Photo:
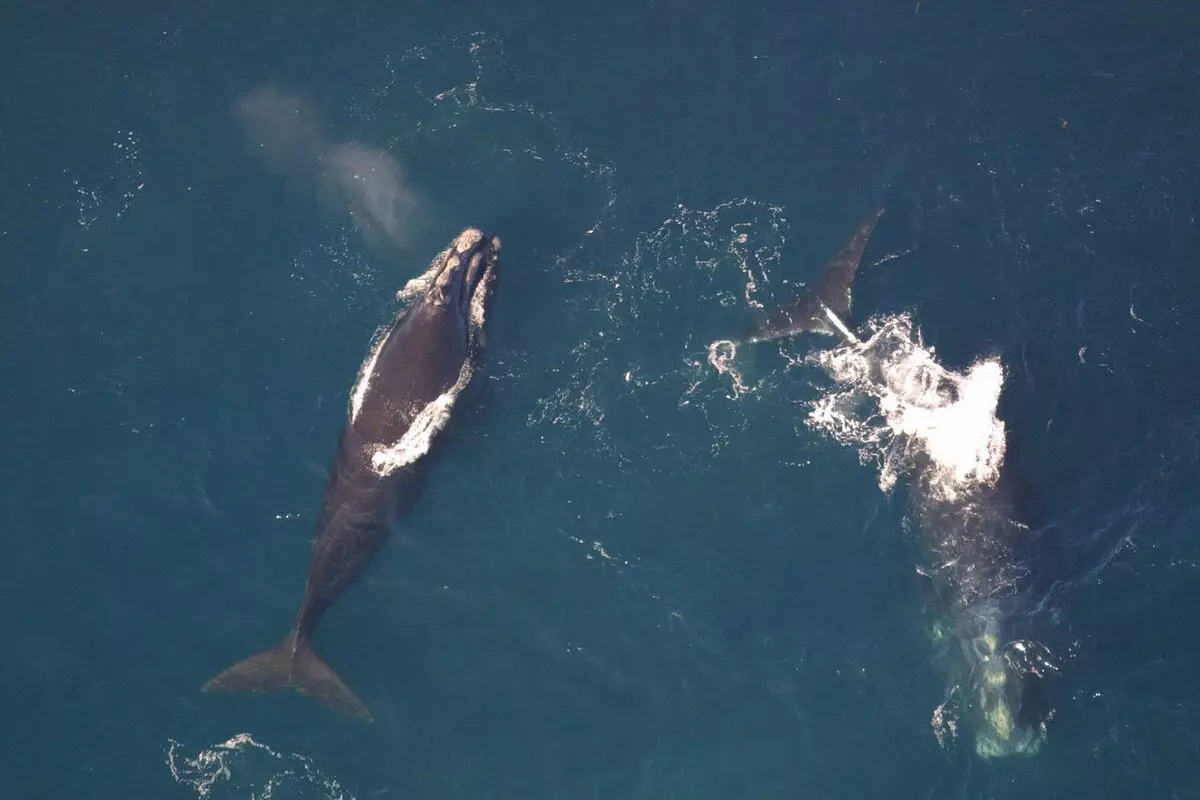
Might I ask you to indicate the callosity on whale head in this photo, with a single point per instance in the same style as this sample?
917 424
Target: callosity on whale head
1006 702
468 266
462 274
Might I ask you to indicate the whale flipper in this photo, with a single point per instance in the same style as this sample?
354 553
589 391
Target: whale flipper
287 665
824 307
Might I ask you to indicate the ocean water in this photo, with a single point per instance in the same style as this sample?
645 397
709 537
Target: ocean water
640 567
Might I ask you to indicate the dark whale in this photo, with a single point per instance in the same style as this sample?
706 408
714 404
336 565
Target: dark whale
970 541
825 307
402 399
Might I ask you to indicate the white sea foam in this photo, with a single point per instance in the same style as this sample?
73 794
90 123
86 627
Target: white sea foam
901 407
244 767
418 439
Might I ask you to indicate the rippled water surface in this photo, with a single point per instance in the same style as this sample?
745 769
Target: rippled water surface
647 563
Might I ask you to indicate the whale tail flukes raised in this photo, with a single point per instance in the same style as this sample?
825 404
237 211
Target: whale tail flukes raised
825 306
290 665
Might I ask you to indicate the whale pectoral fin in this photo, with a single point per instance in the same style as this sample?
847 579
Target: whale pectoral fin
824 307
807 314
278 668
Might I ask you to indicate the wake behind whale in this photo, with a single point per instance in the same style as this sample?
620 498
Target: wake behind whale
939 429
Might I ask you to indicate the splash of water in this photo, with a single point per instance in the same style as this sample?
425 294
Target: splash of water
244 767
903 409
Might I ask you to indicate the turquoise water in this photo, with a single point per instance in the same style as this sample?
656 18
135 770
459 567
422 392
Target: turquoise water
625 578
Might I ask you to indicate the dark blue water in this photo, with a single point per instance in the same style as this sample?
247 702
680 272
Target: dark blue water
623 579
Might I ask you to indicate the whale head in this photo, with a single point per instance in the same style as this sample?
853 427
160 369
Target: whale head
1007 697
464 274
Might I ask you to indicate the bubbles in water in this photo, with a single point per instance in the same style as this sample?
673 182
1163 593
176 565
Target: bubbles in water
722 355
111 198
643 348
242 767
917 411
443 106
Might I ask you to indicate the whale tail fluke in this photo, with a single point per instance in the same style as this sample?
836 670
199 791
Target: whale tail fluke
288 665
825 306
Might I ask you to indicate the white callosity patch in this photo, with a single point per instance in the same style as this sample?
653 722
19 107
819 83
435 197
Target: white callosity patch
417 287
467 240
479 299
420 285
920 409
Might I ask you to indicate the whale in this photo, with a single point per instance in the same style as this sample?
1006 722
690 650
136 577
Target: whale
969 540
405 392
825 306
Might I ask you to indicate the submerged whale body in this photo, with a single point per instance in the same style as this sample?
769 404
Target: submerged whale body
405 392
967 535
